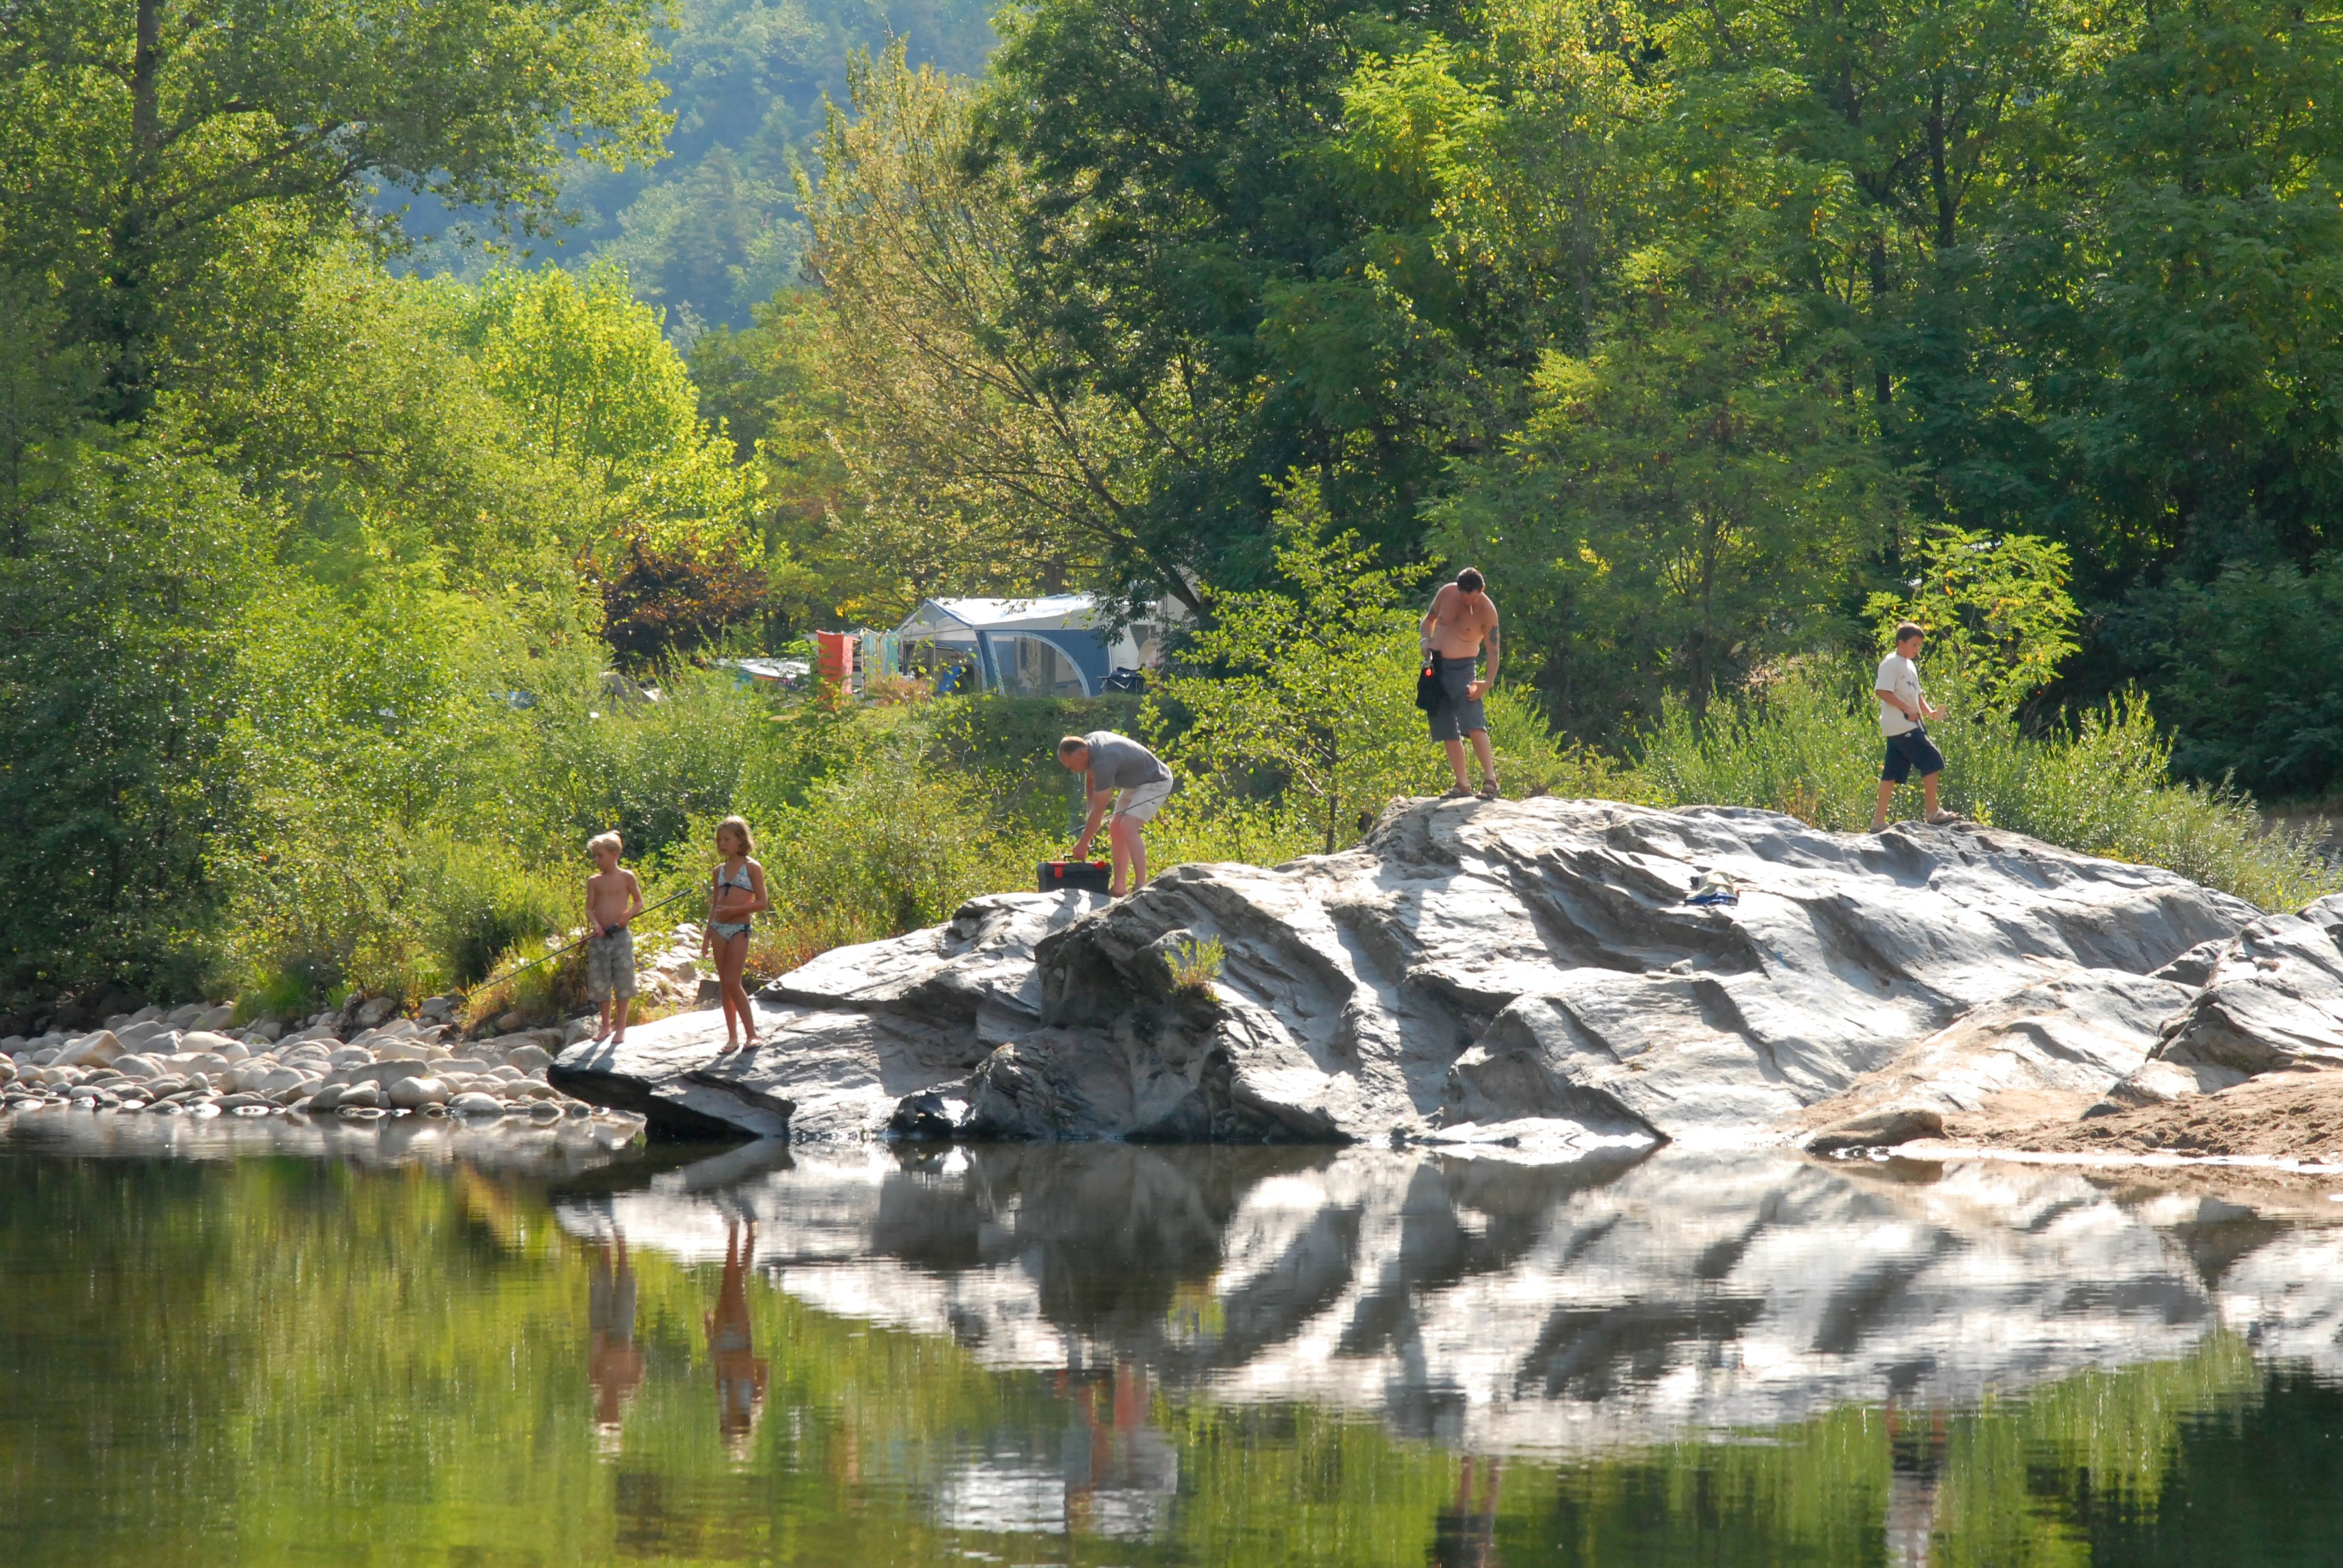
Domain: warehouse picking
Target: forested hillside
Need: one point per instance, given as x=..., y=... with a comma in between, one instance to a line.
x=713, y=228
x=339, y=603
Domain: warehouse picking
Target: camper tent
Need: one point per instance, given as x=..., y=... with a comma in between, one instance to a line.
x=1052, y=647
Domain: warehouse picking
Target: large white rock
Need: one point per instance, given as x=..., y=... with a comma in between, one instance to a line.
x=92, y=1050
x=412, y=1093
x=1503, y=969
x=2272, y=1003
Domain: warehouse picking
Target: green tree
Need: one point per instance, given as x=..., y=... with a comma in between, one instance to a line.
x=1999, y=614
x=1217, y=248
x=118, y=632
x=157, y=153
x=594, y=384
x=1315, y=686
x=1685, y=502
x=979, y=468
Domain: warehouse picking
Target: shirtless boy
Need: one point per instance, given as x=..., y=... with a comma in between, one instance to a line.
x=1462, y=616
x=613, y=899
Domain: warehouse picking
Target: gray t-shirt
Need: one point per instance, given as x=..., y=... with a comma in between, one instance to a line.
x=1119, y=762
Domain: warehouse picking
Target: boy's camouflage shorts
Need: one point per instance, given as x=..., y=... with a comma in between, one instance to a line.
x=610, y=966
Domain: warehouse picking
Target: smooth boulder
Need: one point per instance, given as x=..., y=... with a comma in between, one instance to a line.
x=2272, y=1003
x=414, y=1093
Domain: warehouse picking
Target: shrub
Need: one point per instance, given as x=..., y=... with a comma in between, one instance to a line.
x=672, y=596
x=538, y=980
x=472, y=904
x=884, y=845
x=2249, y=669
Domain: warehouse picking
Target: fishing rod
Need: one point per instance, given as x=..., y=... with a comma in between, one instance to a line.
x=509, y=975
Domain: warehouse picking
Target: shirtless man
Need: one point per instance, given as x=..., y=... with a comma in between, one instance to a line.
x=613, y=899
x=1462, y=616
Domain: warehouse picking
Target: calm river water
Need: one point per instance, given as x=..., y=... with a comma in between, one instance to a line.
x=259, y=1344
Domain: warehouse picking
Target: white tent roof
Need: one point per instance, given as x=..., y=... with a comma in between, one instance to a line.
x=1054, y=612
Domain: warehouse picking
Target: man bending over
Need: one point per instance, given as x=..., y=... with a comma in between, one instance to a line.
x=1462, y=616
x=1117, y=763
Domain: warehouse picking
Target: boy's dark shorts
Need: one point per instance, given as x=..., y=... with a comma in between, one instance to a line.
x=1911, y=749
x=1457, y=715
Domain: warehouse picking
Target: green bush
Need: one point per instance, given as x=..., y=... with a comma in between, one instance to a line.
x=1805, y=741
x=2249, y=669
x=470, y=904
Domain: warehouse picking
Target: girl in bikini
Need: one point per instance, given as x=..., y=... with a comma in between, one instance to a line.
x=739, y=893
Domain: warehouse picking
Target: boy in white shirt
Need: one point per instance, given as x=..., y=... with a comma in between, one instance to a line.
x=1904, y=714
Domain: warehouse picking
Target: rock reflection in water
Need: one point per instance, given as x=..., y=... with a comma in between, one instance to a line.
x=1504, y=1307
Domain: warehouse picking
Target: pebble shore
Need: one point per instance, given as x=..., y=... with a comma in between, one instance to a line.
x=359, y=1063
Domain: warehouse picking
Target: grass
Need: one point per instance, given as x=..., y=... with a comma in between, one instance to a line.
x=1805, y=741
x=1195, y=964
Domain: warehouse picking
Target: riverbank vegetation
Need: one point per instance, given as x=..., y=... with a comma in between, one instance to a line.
x=339, y=603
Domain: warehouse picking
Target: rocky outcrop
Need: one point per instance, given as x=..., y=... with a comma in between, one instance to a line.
x=2269, y=1000
x=1519, y=972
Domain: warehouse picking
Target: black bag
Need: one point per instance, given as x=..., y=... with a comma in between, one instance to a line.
x=1428, y=694
x=1076, y=876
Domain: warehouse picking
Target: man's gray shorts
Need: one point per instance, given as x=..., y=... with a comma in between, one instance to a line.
x=1459, y=715
x=1140, y=802
x=610, y=966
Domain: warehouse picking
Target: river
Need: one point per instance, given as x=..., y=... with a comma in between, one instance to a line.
x=258, y=1343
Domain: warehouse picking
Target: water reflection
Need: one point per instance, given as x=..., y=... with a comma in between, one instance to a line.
x=1465, y=1534
x=614, y=1363
x=1916, y=1447
x=400, y=1352
x=741, y=1373
x=1501, y=1307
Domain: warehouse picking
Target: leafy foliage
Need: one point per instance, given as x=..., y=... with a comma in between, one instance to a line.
x=1316, y=687
x=1996, y=611
x=150, y=145
x=664, y=602
x=1806, y=742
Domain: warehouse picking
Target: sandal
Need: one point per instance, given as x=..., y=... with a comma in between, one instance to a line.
x=1458, y=792
x=1490, y=791
x=1938, y=819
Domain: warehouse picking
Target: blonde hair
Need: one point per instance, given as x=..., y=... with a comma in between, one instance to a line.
x=737, y=825
x=601, y=841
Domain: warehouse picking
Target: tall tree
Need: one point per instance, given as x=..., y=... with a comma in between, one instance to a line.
x=1212, y=247
x=146, y=144
x=979, y=466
